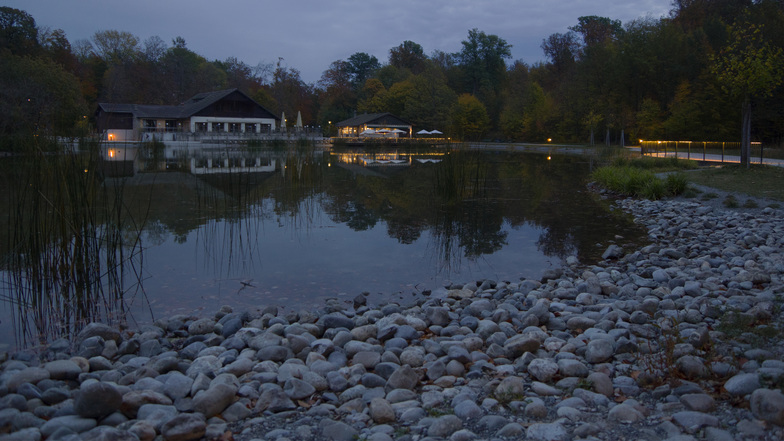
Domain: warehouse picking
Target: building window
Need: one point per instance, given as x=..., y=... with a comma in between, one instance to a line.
x=250, y=128
x=171, y=125
x=217, y=127
x=150, y=124
x=201, y=127
x=235, y=127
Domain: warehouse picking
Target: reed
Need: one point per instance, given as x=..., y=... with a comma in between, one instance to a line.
x=71, y=244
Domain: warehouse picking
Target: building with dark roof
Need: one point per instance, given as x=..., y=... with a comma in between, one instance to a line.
x=224, y=111
x=369, y=124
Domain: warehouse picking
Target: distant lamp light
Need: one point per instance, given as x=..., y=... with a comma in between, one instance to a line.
x=111, y=137
x=548, y=158
x=111, y=153
x=549, y=139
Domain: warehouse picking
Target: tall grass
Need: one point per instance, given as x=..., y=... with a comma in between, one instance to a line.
x=71, y=242
x=639, y=182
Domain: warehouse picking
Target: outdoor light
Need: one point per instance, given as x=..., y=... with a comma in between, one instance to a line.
x=548, y=158
x=111, y=153
x=111, y=137
x=549, y=139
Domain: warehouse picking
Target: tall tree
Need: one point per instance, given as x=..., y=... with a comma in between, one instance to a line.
x=18, y=32
x=116, y=47
x=408, y=55
x=361, y=66
x=482, y=59
x=562, y=50
x=748, y=68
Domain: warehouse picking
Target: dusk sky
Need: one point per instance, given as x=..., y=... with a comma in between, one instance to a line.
x=310, y=34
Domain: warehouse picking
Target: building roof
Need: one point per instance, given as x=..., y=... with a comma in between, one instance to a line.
x=187, y=109
x=370, y=118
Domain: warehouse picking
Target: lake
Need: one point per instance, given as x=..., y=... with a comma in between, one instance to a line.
x=314, y=225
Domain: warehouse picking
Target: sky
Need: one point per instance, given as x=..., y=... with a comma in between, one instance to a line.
x=310, y=34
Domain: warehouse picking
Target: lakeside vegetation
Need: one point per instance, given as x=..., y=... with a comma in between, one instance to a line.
x=694, y=74
x=637, y=177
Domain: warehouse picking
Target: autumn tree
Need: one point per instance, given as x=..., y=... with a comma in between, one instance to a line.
x=470, y=120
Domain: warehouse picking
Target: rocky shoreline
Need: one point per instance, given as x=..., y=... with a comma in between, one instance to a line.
x=679, y=340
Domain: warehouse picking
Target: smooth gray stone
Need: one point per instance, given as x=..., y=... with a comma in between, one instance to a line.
x=74, y=423
x=97, y=400
x=185, y=426
x=444, y=426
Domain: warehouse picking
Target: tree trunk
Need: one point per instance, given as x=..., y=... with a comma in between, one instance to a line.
x=623, y=143
x=591, y=135
x=607, y=137
x=745, y=137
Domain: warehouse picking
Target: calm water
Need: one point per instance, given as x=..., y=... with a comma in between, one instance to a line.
x=335, y=224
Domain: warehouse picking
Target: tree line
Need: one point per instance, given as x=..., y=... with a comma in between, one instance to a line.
x=710, y=70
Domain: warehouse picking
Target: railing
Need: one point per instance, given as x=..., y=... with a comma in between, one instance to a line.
x=711, y=151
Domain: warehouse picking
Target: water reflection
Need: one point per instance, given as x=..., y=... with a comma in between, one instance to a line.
x=321, y=223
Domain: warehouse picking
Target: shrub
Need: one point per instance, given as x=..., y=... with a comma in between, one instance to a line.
x=653, y=189
x=676, y=183
x=730, y=201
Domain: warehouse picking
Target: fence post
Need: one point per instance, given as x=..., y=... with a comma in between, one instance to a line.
x=761, y=157
x=704, y=147
x=722, y=152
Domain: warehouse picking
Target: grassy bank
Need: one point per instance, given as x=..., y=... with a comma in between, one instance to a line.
x=758, y=181
x=637, y=177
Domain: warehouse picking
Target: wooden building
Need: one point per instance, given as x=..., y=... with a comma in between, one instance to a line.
x=221, y=112
x=374, y=125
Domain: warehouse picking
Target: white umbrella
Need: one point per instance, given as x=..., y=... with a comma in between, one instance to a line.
x=283, y=120
x=382, y=131
x=367, y=132
x=299, y=120
x=423, y=132
x=436, y=132
x=398, y=131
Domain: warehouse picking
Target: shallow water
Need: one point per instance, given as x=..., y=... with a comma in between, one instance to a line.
x=328, y=224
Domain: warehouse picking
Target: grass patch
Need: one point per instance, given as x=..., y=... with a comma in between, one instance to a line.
x=657, y=165
x=730, y=201
x=759, y=181
x=750, y=203
x=709, y=196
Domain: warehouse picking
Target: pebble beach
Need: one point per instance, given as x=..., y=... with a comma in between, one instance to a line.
x=678, y=340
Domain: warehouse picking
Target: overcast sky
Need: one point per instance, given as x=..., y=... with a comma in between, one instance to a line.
x=310, y=34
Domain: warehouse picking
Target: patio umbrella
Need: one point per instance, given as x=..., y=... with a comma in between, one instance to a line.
x=367, y=132
x=283, y=120
x=398, y=131
x=436, y=132
x=423, y=132
x=299, y=120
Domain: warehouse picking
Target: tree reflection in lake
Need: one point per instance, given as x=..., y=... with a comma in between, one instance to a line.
x=347, y=221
